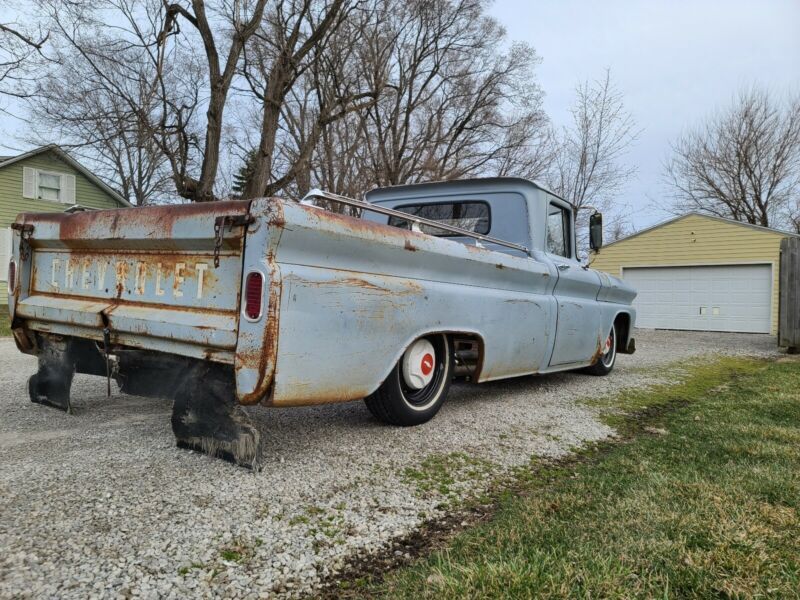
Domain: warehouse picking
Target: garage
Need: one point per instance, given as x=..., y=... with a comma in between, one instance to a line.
x=702, y=273
x=703, y=298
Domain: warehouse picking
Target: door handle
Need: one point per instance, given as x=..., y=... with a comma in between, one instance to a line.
x=563, y=267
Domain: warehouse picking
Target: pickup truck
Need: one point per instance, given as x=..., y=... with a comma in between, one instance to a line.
x=222, y=305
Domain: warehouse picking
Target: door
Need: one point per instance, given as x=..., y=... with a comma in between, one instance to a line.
x=578, y=320
x=703, y=298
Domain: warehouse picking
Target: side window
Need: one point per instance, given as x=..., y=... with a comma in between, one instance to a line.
x=558, y=231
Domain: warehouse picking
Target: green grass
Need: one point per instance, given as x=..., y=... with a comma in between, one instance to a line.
x=5, y=323
x=706, y=509
x=441, y=472
x=231, y=555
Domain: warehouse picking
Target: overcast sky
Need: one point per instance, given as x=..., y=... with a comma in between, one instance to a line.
x=674, y=60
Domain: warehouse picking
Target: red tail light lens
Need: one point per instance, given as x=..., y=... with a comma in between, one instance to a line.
x=253, y=295
x=12, y=276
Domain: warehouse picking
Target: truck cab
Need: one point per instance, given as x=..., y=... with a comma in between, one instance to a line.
x=524, y=213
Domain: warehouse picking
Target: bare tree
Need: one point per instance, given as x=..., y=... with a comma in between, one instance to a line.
x=743, y=163
x=403, y=93
x=173, y=80
x=292, y=43
x=588, y=166
x=220, y=77
x=347, y=94
x=793, y=217
x=318, y=139
x=619, y=227
x=100, y=128
x=458, y=105
x=18, y=44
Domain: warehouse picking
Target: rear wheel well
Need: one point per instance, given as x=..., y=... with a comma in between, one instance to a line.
x=468, y=352
x=622, y=322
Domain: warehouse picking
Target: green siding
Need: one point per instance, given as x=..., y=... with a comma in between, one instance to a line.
x=12, y=203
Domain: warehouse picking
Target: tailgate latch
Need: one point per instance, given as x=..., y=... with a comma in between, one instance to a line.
x=229, y=221
x=25, y=233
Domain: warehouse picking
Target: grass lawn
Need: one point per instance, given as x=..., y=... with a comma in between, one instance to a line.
x=701, y=501
x=5, y=323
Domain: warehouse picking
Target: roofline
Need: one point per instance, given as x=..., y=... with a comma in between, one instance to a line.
x=73, y=163
x=699, y=214
x=469, y=181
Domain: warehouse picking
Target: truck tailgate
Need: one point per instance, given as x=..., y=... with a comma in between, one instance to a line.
x=148, y=274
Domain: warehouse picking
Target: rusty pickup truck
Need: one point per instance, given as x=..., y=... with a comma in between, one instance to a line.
x=222, y=305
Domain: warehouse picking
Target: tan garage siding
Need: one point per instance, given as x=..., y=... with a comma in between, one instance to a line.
x=696, y=240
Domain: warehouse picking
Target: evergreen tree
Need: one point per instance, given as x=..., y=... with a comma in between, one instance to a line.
x=244, y=174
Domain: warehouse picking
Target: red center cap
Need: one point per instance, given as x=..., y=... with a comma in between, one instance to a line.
x=427, y=364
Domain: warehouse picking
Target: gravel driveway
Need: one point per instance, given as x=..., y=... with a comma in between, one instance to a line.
x=102, y=503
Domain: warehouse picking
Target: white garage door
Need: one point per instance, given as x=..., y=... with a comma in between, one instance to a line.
x=713, y=298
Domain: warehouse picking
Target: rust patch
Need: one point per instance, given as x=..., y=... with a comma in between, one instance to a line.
x=157, y=220
x=121, y=270
x=409, y=246
x=476, y=249
x=113, y=302
x=263, y=359
x=23, y=340
x=362, y=283
x=328, y=396
x=598, y=352
x=410, y=286
x=372, y=228
x=499, y=266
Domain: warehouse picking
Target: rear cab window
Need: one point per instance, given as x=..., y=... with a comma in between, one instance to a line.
x=472, y=215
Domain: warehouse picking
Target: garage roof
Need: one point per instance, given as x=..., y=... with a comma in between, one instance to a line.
x=706, y=216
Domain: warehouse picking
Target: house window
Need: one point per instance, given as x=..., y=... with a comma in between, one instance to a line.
x=48, y=185
x=558, y=231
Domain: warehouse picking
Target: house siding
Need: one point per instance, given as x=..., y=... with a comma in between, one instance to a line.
x=696, y=240
x=12, y=203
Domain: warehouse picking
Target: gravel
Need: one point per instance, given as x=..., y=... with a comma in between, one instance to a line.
x=102, y=503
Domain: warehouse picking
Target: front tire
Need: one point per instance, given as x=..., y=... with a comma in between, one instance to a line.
x=608, y=357
x=404, y=398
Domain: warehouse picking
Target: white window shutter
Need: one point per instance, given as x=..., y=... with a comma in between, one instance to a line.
x=28, y=182
x=68, y=189
x=5, y=252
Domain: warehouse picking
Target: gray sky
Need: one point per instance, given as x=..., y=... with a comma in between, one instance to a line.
x=674, y=60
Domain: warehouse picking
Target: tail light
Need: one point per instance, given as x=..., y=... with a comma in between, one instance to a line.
x=12, y=276
x=253, y=295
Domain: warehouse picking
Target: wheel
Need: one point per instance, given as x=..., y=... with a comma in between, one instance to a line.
x=606, y=360
x=418, y=384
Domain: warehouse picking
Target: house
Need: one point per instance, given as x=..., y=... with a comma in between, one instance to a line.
x=701, y=272
x=46, y=179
